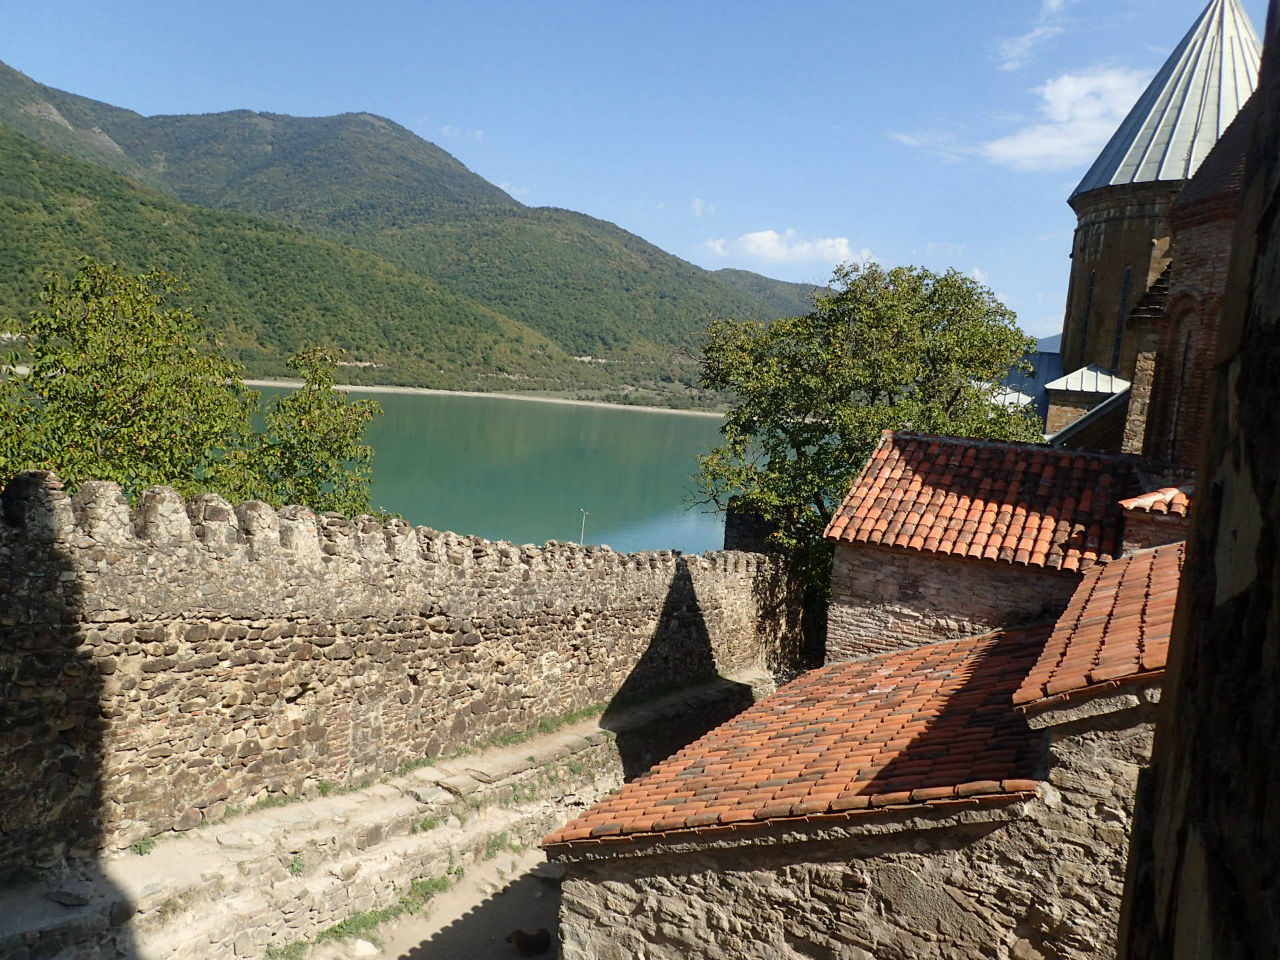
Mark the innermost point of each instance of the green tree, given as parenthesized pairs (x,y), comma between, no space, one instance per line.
(312,449)
(900,348)
(123,386)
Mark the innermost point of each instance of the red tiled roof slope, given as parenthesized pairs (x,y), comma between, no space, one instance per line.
(1020,503)
(1115,628)
(932,725)
(1175,501)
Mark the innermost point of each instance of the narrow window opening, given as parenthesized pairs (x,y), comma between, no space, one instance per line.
(1120,320)
(1084,322)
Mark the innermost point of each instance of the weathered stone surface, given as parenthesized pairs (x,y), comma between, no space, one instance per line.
(886,599)
(159,667)
(1042,881)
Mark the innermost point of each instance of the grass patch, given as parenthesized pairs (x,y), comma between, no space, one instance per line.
(495,843)
(366,923)
(324,787)
(144,846)
(297,865)
(426,824)
(290,951)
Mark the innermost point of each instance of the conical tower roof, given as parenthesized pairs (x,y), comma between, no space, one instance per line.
(1188,105)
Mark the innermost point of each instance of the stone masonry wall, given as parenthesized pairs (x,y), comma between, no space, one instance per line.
(1035,881)
(885,599)
(160,665)
(1068,406)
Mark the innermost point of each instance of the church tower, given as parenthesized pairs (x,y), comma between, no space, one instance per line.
(1121,244)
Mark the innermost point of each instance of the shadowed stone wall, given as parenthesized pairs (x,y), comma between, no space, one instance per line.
(239,652)
(1204,878)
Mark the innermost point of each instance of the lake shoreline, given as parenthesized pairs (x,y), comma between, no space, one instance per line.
(534,398)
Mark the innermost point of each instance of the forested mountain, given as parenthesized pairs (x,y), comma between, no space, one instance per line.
(267,289)
(365,182)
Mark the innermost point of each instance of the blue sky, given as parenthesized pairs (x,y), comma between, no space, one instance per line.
(777,137)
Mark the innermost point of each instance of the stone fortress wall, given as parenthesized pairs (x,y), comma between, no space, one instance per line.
(162,663)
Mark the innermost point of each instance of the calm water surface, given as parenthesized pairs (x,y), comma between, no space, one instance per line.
(521,471)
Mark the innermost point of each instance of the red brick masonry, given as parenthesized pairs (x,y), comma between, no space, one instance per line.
(1018,503)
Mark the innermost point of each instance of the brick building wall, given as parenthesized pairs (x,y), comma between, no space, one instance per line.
(1067,406)
(1187,350)
(887,599)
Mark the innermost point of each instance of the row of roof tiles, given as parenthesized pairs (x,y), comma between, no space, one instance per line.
(1018,503)
(930,726)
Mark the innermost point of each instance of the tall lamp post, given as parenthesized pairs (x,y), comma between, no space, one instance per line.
(582,534)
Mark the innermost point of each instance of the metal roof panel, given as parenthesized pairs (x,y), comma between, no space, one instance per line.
(1188,105)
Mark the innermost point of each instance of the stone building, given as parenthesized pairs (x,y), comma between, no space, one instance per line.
(945,537)
(1202,873)
(1124,237)
(967,798)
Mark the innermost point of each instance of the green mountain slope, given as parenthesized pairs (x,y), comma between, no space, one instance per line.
(266,288)
(370,183)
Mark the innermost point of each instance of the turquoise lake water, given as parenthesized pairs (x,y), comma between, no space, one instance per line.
(522,471)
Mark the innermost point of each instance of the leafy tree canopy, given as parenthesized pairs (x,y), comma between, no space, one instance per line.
(122,386)
(900,348)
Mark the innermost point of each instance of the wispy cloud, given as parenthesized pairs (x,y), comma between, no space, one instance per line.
(979,275)
(512,190)
(451,131)
(701,208)
(788,246)
(944,145)
(1078,113)
(1014,52)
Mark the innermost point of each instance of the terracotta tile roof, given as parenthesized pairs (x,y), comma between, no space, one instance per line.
(1020,503)
(1175,501)
(1115,628)
(933,725)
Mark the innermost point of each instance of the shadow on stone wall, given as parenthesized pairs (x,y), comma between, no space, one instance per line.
(680,647)
(795,616)
(54,891)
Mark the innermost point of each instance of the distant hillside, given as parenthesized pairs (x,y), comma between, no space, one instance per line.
(780,298)
(267,289)
(369,183)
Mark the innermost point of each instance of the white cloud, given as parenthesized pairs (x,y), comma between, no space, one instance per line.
(979,275)
(788,246)
(1014,52)
(513,190)
(452,131)
(700,207)
(1078,114)
(943,145)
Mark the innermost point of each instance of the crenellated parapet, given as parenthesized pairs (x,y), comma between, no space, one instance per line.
(211,654)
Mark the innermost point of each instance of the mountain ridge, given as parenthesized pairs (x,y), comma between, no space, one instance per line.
(368,183)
